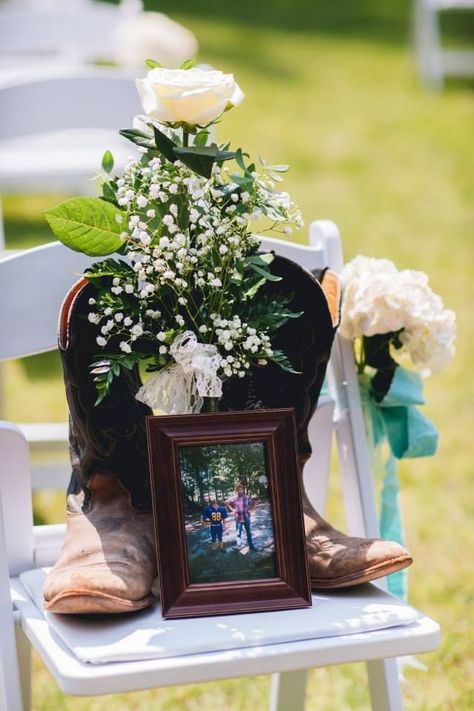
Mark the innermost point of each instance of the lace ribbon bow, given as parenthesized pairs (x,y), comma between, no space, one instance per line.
(180,388)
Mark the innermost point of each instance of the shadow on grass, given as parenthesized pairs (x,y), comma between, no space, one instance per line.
(45,366)
(388,21)
(25,233)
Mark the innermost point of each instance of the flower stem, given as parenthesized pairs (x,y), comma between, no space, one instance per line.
(361,361)
(185,138)
(211,404)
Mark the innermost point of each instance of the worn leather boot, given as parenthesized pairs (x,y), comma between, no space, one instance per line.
(107,564)
(335,560)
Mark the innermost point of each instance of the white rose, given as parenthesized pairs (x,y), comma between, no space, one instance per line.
(153,35)
(192,95)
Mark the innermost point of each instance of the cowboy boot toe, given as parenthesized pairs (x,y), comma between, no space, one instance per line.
(341,561)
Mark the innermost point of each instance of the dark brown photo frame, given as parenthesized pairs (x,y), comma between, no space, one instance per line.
(290,588)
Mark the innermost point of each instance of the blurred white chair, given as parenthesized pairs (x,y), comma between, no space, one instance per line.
(365,624)
(54,128)
(434,62)
(66,31)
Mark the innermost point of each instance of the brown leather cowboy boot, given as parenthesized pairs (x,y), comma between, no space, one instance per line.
(107,563)
(335,560)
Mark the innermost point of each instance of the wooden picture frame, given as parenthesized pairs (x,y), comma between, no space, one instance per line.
(168,438)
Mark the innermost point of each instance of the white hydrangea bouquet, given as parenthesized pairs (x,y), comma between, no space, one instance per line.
(179,291)
(395,320)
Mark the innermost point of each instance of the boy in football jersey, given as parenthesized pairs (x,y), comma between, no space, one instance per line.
(215,516)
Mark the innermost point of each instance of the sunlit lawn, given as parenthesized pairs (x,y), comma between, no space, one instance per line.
(335,95)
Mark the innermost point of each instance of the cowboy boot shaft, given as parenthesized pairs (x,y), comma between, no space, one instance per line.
(110,436)
(306,341)
(107,563)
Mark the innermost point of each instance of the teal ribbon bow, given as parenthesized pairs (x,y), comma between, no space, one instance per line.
(396,420)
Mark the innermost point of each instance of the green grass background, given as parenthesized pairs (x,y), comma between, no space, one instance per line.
(331,89)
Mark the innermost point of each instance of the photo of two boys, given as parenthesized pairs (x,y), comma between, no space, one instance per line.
(228,517)
(215,516)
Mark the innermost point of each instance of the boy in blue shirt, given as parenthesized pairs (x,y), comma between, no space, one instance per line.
(215,516)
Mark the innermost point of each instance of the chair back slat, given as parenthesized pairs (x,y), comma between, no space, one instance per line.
(76,99)
(33,284)
(88,29)
(351,438)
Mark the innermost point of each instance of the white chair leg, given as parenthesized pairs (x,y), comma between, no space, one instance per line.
(10,689)
(384,685)
(428,45)
(288,691)
(23,648)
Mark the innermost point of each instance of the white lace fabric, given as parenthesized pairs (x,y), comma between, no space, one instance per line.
(180,388)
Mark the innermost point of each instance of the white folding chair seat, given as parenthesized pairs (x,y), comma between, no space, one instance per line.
(365,624)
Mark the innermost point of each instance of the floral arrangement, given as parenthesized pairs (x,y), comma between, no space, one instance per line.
(394,318)
(180,290)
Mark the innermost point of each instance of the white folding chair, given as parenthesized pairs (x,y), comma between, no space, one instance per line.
(50,270)
(55,126)
(72,31)
(434,62)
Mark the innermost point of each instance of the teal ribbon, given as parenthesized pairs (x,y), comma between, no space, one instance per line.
(409,434)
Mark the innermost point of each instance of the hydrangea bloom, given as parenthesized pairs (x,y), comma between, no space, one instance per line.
(379,299)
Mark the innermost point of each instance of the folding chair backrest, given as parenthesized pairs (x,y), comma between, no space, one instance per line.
(83,29)
(76,99)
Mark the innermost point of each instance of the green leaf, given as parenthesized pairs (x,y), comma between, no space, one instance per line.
(278,168)
(262,260)
(200,138)
(152,64)
(138,137)
(109,267)
(164,144)
(250,293)
(188,64)
(107,162)
(239,159)
(264,272)
(87,225)
(202,158)
(283,361)
(108,193)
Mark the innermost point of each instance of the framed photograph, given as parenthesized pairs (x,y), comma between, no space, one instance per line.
(227,510)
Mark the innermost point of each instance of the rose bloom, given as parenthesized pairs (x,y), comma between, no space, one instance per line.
(380,299)
(193,95)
